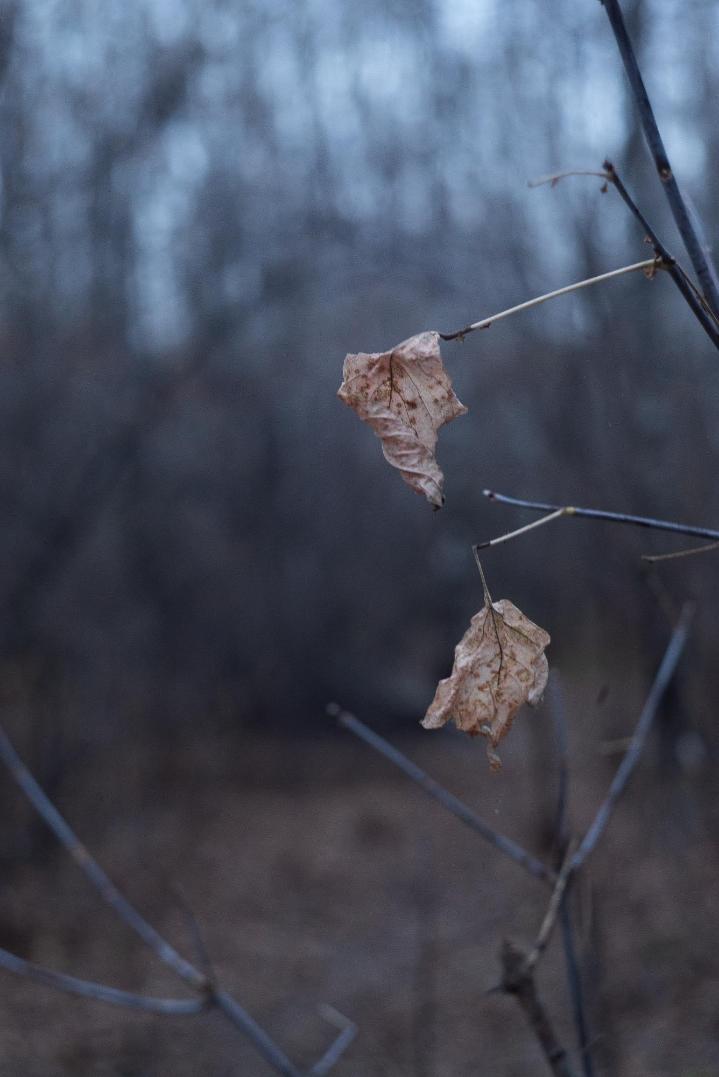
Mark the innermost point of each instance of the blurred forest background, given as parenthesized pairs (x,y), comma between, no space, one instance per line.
(203,207)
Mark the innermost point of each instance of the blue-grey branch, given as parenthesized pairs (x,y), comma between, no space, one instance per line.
(658,151)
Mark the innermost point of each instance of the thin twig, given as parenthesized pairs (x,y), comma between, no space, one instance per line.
(554,177)
(681,215)
(201,951)
(576,987)
(615,179)
(92,870)
(599,514)
(347,1033)
(448,800)
(557,710)
(261,1040)
(648,266)
(573,863)
(177,1007)
(666,603)
(518,975)
(209,994)
(693,297)
(518,980)
(626,767)
(550,917)
(653,558)
(571,960)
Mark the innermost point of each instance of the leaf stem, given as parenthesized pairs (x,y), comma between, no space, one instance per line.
(649,265)
(521,530)
(485,588)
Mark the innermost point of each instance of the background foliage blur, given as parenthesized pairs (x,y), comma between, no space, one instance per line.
(204,206)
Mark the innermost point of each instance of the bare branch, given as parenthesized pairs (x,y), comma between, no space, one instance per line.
(557,710)
(693,297)
(92,870)
(595,514)
(518,980)
(263,1043)
(626,767)
(702,266)
(571,961)
(648,266)
(178,1007)
(576,988)
(209,994)
(443,796)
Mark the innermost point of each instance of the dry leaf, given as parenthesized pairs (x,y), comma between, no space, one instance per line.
(499,664)
(405,395)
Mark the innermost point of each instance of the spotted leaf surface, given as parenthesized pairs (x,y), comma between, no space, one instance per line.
(405,395)
(499,664)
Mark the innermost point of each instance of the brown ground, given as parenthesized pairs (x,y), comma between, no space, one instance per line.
(320,874)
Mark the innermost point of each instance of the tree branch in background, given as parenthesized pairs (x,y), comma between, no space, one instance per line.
(648,266)
(702,265)
(446,799)
(210,995)
(557,511)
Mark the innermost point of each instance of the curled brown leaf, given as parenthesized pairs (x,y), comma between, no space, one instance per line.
(405,395)
(499,664)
